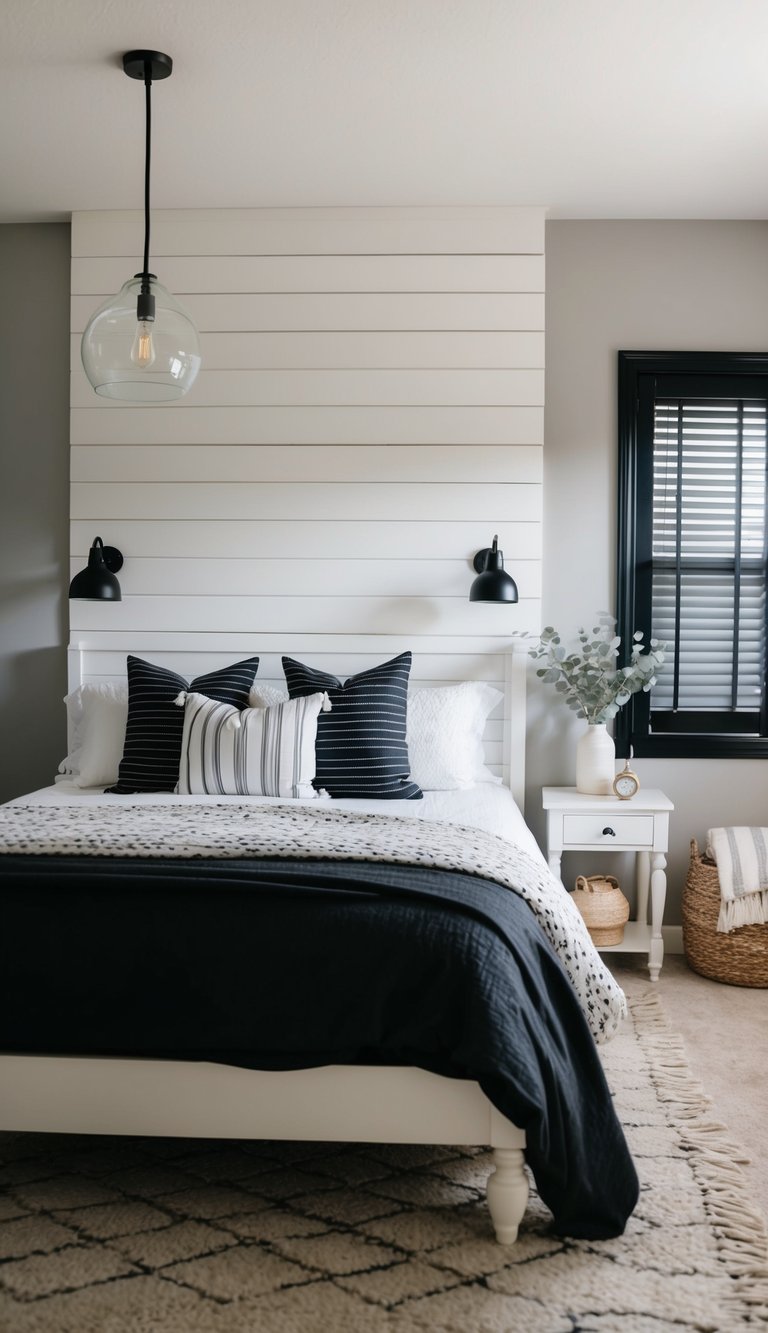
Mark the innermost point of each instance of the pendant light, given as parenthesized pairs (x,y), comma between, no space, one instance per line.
(141,345)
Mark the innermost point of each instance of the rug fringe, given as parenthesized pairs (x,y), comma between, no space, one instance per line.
(739,1226)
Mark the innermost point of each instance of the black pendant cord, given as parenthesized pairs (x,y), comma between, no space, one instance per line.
(147,158)
(145,305)
(149,66)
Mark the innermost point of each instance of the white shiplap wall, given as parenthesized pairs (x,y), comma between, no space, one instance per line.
(369,413)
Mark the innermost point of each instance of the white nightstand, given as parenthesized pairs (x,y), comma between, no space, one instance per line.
(579,823)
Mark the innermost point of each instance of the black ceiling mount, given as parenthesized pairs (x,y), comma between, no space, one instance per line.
(135,63)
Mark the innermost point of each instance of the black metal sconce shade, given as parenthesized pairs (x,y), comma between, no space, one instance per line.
(492,583)
(98,583)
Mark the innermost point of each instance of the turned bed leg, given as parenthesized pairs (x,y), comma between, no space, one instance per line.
(507,1193)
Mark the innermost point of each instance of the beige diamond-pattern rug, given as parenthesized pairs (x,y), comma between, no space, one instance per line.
(108,1235)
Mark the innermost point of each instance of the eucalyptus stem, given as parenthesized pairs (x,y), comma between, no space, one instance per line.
(588,679)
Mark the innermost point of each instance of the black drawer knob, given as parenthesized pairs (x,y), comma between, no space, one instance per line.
(611,832)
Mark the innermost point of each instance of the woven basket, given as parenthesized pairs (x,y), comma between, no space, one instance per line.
(739,958)
(603,906)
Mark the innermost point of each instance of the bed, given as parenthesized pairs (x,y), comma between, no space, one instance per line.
(182,1089)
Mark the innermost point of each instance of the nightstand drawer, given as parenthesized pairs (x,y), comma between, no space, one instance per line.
(628,830)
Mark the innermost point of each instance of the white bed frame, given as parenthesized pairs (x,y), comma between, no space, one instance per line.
(336,1103)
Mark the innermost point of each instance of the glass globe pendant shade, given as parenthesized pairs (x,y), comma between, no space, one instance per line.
(141,361)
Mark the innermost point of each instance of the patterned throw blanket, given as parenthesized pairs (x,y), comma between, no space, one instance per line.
(741,855)
(312,833)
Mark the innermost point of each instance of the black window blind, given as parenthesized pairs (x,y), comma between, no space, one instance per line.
(708,562)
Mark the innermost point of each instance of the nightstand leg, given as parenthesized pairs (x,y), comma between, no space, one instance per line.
(643,884)
(658,897)
(554,860)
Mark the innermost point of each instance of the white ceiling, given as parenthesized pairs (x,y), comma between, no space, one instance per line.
(594,108)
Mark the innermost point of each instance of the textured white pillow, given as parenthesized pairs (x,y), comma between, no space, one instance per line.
(266,696)
(70,764)
(98,715)
(256,752)
(445,735)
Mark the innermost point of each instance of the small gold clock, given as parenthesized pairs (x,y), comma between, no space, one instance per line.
(626,784)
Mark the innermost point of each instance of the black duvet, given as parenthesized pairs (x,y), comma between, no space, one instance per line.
(290,964)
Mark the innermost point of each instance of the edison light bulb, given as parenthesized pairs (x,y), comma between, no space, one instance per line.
(143,349)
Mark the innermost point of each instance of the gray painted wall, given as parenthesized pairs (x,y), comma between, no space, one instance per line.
(647,286)
(34,478)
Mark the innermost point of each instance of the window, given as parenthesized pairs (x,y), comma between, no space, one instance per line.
(693,541)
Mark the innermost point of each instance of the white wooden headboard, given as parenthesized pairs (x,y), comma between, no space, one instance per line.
(436,661)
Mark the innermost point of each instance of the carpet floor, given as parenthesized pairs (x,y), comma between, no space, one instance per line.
(180,1236)
(725,1030)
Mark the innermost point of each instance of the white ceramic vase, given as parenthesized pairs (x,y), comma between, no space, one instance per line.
(595,761)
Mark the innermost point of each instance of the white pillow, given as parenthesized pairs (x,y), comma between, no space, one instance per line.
(256,752)
(100,711)
(445,735)
(266,696)
(97,715)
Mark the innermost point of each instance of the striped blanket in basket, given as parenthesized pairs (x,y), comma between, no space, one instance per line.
(741,855)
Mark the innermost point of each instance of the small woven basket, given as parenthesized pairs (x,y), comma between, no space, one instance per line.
(603,906)
(739,958)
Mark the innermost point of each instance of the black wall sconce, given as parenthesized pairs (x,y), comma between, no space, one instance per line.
(98,583)
(492,583)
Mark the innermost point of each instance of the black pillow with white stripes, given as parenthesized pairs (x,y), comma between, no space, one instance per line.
(361,746)
(155,725)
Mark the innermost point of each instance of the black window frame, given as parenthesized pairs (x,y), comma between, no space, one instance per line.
(635,483)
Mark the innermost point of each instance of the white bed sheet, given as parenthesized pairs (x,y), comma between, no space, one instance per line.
(484,806)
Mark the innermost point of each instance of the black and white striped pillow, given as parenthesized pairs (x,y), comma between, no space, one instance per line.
(253,752)
(155,726)
(361,746)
